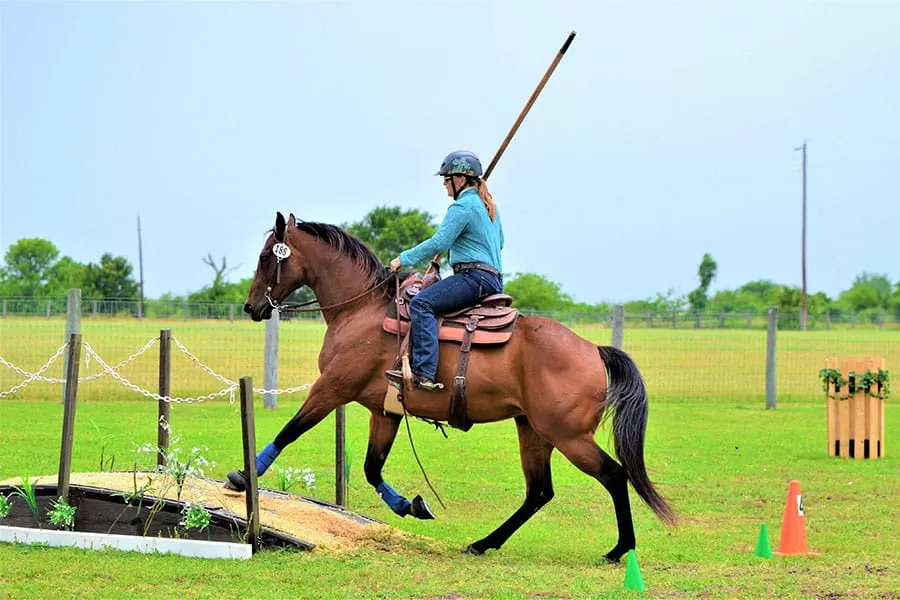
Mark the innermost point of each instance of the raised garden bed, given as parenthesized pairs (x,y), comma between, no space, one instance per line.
(105,511)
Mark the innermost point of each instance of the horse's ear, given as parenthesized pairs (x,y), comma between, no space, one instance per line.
(279,227)
(292,222)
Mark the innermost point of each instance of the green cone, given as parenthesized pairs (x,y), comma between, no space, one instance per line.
(763,549)
(633,579)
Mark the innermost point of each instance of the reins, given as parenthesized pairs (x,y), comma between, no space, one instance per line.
(406,414)
(298,307)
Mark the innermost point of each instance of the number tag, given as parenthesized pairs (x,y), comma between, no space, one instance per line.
(281,251)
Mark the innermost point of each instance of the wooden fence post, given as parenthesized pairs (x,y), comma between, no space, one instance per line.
(73,352)
(340,462)
(165,388)
(248,429)
(73,325)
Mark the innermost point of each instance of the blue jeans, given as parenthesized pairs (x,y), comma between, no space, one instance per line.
(456,292)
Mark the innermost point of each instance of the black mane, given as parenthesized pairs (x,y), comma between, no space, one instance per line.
(373,270)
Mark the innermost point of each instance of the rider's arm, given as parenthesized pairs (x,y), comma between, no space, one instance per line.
(454,222)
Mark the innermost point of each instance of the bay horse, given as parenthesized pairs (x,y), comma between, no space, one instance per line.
(550,381)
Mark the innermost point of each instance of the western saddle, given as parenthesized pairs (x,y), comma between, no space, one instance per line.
(489,323)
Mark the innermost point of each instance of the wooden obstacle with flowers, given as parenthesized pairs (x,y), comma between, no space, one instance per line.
(855,392)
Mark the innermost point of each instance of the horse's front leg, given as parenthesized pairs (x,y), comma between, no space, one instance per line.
(320,402)
(382,432)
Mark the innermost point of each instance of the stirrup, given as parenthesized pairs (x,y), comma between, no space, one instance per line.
(395,376)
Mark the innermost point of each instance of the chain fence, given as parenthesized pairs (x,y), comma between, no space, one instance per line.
(717,358)
(113,371)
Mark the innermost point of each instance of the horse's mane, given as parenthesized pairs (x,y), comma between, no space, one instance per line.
(373,270)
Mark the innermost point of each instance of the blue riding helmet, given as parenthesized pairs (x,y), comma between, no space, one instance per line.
(461,162)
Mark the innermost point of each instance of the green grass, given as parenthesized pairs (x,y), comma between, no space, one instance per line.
(712,449)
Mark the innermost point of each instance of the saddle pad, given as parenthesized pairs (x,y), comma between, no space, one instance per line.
(452,331)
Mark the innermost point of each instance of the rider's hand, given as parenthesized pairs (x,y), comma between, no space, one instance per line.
(395,264)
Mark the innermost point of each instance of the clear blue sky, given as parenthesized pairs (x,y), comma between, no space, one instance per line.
(667,131)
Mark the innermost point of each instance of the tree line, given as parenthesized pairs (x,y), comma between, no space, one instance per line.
(33,268)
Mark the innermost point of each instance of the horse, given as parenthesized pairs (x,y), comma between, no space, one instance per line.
(555,385)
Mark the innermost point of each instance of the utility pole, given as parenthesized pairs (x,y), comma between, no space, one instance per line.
(803,311)
(140,271)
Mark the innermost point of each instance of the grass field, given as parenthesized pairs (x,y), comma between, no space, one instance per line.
(712,448)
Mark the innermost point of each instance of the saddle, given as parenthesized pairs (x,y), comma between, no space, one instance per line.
(489,323)
(492,320)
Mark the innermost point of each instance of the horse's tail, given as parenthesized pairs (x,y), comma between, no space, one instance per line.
(626,396)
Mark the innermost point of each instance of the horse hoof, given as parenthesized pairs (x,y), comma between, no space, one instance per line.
(613,556)
(471,549)
(421,510)
(237,482)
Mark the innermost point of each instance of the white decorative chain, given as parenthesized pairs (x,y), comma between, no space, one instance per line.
(230,389)
(32,376)
(228,382)
(189,400)
(125,362)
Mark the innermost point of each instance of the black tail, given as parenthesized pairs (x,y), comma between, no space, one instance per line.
(627,398)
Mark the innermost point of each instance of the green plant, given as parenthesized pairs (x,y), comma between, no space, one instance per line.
(62,513)
(26,492)
(106,462)
(195,516)
(5,506)
(176,466)
(289,477)
(137,493)
(871,382)
(834,376)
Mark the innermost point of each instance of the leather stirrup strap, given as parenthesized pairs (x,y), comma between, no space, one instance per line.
(457,417)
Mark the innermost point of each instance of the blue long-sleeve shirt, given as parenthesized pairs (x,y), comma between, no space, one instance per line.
(467,231)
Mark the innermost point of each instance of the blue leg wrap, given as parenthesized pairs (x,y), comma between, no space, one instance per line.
(265,458)
(398,503)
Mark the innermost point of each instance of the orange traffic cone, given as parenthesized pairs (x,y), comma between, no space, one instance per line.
(793,527)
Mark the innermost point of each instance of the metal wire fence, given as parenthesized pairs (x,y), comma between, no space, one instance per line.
(684,357)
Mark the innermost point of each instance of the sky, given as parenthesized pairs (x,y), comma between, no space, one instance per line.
(667,131)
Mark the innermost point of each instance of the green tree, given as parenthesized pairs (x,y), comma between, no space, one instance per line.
(707,272)
(109,279)
(65,275)
(390,230)
(867,292)
(29,267)
(895,302)
(535,292)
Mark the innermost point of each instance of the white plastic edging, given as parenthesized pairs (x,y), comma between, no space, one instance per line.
(133,543)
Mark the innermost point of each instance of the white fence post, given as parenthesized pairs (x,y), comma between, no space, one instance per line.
(618,330)
(270,380)
(771,391)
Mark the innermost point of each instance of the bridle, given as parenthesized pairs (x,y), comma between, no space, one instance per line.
(282,251)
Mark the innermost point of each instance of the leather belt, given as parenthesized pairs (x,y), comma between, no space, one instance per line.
(476,265)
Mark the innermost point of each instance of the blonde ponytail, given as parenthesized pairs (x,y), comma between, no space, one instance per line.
(487,199)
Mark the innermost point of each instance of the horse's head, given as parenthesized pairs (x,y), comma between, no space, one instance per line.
(280,271)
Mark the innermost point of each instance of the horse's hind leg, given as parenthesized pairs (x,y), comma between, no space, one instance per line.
(382,431)
(584,453)
(535,452)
